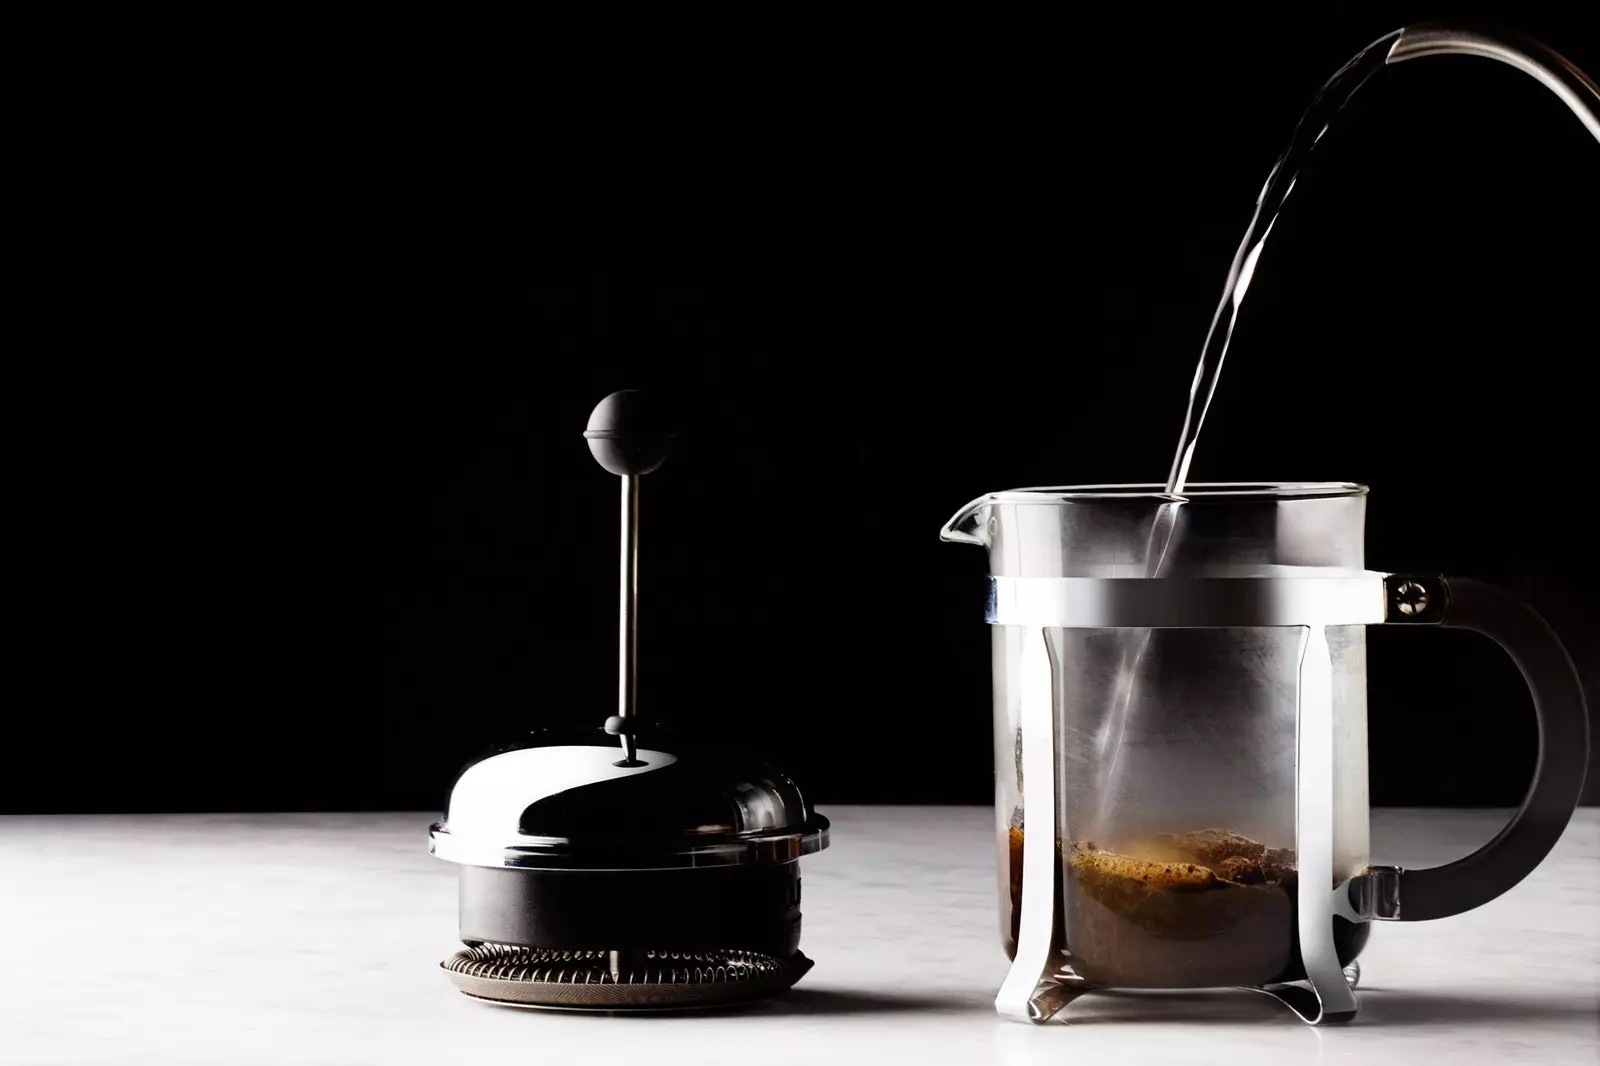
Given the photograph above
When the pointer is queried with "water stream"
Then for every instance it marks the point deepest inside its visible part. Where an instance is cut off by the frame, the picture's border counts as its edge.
(1328, 102)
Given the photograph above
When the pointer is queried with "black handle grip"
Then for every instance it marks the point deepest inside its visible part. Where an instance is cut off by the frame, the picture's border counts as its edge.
(1563, 742)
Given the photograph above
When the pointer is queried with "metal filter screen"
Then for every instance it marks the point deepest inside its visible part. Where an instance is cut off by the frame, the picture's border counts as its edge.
(607, 980)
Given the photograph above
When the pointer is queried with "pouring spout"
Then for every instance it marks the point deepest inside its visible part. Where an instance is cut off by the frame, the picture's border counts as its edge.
(970, 525)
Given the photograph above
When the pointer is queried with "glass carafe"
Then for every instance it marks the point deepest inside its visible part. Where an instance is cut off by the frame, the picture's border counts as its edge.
(1181, 741)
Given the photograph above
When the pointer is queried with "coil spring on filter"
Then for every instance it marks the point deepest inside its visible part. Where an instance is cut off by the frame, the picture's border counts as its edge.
(508, 962)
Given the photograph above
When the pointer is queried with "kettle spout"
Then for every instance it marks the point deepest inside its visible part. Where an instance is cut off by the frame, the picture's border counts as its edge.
(1546, 66)
(970, 525)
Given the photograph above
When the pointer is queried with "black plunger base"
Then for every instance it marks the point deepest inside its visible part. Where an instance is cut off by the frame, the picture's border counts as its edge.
(717, 908)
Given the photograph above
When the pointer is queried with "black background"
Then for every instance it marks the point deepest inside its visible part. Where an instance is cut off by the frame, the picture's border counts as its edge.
(367, 286)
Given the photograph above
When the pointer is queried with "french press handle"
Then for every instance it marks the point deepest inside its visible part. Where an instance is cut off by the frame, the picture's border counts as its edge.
(1558, 704)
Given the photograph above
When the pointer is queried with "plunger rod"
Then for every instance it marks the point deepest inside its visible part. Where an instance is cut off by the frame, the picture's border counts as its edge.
(628, 638)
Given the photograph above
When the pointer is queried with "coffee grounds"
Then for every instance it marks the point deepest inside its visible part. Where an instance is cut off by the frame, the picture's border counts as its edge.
(1199, 909)
(1205, 908)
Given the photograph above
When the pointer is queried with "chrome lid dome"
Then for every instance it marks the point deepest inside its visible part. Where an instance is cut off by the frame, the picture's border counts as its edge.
(569, 806)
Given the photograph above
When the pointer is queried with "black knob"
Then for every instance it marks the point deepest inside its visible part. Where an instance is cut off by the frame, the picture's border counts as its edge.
(626, 433)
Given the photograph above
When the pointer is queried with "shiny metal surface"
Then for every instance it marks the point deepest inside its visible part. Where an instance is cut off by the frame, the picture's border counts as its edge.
(1314, 841)
(570, 806)
(1411, 598)
(1306, 1005)
(1385, 889)
(1030, 991)
(1110, 603)
(1372, 895)
(628, 619)
(1055, 993)
(1415, 599)
(608, 980)
(1546, 66)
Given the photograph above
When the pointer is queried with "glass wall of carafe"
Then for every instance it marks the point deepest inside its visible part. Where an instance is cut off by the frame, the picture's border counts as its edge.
(1176, 805)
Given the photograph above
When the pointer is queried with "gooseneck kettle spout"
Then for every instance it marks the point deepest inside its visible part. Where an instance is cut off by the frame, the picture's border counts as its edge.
(1546, 66)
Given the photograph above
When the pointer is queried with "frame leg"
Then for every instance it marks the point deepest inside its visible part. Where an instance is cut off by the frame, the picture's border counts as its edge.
(1038, 985)
(1326, 995)
(1052, 994)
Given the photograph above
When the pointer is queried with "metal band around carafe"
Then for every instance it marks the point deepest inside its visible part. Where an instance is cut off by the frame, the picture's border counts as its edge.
(1185, 603)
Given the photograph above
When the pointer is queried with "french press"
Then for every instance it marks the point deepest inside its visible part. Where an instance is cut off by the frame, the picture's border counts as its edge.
(1181, 758)
(624, 869)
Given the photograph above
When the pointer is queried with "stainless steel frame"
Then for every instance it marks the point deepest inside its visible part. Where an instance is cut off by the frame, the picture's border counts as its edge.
(1040, 982)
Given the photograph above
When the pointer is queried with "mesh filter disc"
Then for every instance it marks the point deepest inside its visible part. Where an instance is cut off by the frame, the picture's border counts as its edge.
(604, 980)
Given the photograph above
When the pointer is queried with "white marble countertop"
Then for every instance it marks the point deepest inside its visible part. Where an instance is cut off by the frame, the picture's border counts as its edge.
(232, 940)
